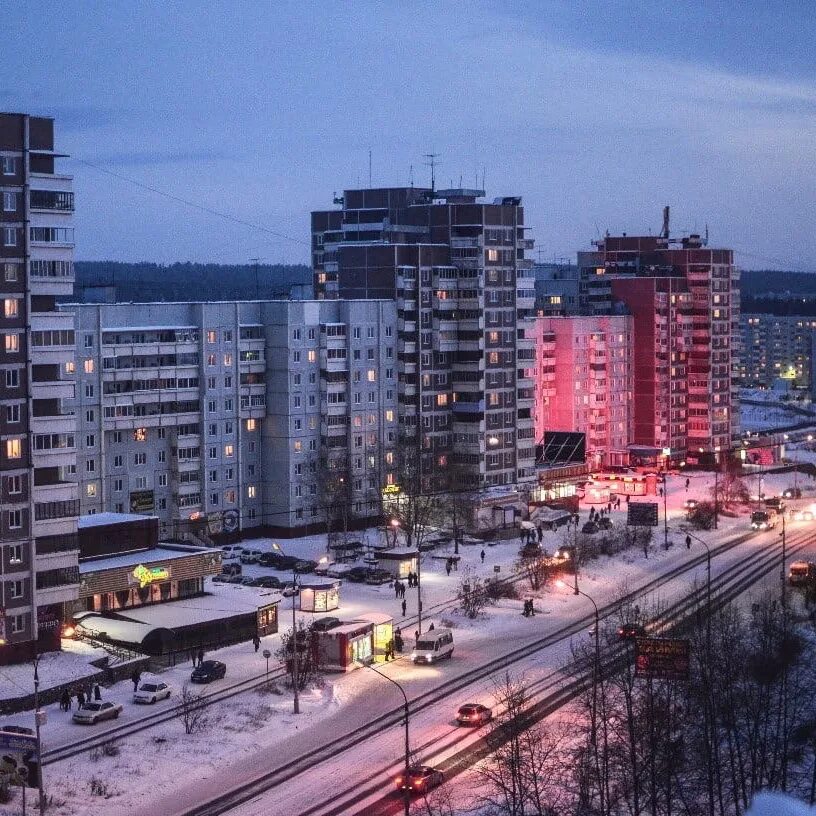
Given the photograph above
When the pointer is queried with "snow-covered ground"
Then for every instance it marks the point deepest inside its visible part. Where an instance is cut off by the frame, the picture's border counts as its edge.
(771, 414)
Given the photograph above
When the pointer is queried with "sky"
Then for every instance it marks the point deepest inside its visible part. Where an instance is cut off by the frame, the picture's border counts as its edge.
(597, 114)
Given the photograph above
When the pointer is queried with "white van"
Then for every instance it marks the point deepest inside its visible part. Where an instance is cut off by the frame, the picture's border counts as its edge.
(433, 646)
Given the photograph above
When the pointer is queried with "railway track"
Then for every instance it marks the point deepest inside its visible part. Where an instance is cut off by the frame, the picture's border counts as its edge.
(269, 780)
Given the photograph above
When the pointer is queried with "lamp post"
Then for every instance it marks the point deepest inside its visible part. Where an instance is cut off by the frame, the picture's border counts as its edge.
(395, 527)
(37, 718)
(784, 555)
(666, 455)
(406, 792)
(294, 642)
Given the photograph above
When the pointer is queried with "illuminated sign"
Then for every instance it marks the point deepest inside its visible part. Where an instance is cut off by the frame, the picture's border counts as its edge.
(142, 501)
(144, 576)
(392, 488)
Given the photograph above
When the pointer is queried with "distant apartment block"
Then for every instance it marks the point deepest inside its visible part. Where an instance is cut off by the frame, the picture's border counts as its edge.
(556, 288)
(38, 493)
(776, 346)
(680, 294)
(457, 269)
(583, 382)
(236, 415)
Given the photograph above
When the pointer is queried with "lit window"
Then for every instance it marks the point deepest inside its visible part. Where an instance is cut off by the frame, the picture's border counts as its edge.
(12, 343)
(389, 415)
(14, 448)
(10, 307)
(227, 359)
(441, 399)
(229, 496)
(492, 254)
(251, 424)
(311, 356)
(140, 435)
(212, 336)
(229, 450)
(70, 367)
(252, 491)
(298, 446)
(90, 490)
(89, 366)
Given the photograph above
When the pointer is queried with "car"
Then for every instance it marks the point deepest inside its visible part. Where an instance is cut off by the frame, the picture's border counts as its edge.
(290, 590)
(324, 624)
(357, 574)
(232, 551)
(208, 671)
(251, 556)
(220, 579)
(473, 714)
(304, 566)
(590, 527)
(604, 523)
(268, 582)
(94, 712)
(245, 580)
(231, 579)
(530, 550)
(288, 562)
(565, 553)
(151, 692)
(378, 576)
(420, 778)
(17, 729)
(232, 568)
(630, 631)
(690, 504)
(792, 493)
(804, 515)
(269, 559)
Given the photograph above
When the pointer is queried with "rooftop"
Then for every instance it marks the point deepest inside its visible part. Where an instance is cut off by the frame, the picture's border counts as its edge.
(133, 559)
(104, 519)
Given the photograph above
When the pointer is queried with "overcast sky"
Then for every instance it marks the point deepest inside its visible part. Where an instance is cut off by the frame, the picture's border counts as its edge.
(262, 110)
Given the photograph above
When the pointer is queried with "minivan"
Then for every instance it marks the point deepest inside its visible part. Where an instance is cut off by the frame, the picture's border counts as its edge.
(432, 646)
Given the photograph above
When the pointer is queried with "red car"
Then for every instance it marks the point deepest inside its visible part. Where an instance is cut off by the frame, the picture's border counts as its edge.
(473, 714)
(630, 631)
(420, 778)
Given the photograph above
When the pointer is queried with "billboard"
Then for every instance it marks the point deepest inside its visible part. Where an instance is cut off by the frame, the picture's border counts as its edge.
(563, 448)
(141, 501)
(662, 658)
(641, 514)
(19, 764)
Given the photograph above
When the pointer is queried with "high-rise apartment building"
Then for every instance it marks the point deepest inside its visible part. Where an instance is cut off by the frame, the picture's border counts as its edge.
(273, 414)
(680, 294)
(583, 382)
(775, 346)
(457, 269)
(38, 492)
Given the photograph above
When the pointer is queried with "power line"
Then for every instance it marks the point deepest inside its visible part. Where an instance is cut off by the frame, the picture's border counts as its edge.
(194, 205)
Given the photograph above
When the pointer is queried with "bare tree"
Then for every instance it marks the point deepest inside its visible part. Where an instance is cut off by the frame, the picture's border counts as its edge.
(535, 568)
(473, 596)
(305, 641)
(192, 710)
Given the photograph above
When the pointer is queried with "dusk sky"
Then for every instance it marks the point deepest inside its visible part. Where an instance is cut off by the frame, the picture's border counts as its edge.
(261, 111)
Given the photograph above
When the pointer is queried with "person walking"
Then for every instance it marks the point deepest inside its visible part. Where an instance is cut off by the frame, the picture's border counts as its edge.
(482, 555)
(65, 700)
(398, 641)
(416, 635)
(431, 628)
(256, 642)
(688, 542)
(448, 567)
(97, 692)
(135, 677)
(404, 607)
(687, 485)
(200, 656)
(80, 695)
(396, 589)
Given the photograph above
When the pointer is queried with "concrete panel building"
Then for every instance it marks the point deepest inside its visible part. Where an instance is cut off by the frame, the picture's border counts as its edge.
(240, 415)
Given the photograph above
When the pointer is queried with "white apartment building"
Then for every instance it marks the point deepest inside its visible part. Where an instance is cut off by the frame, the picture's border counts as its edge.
(38, 492)
(237, 414)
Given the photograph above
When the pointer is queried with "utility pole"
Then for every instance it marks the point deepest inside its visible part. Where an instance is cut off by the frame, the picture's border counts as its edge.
(666, 454)
(784, 555)
(37, 716)
(432, 163)
(295, 644)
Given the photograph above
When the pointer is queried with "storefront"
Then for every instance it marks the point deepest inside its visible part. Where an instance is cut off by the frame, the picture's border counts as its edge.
(319, 595)
(346, 647)
(137, 579)
(399, 561)
(382, 634)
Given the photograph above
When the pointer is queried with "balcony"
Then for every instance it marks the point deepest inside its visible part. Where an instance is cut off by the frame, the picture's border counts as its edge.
(52, 200)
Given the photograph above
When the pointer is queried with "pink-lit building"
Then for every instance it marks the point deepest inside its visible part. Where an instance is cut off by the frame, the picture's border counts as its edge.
(583, 382)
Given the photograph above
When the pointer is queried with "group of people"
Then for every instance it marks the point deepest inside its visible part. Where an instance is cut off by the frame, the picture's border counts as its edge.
(394, 646)
(530, 535)
(529, 610)
(82, 696)
(451, 564)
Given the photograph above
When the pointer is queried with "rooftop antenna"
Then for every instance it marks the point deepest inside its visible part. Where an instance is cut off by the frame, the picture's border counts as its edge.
(460, 181)
(705, 241)
(411, 175)
(369, 167)
(665, 231)
(432, 157)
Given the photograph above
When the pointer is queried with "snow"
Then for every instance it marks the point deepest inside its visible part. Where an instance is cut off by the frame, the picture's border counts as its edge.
(133, 559)
(104, 519)
(777, 804)
(253, 733)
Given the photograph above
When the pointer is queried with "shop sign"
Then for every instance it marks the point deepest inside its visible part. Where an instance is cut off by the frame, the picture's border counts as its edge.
(144, 576)
(391, 489)
(215, 523)
(142, 501)
(230, 521)
(47, 619)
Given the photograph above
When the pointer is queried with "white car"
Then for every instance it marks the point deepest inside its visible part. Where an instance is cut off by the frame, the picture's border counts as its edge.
(251, 556)
(151, 692)
(92, 713)
(232, 551)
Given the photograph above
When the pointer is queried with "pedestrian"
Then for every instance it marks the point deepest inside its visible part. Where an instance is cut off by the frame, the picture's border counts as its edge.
(80, 695)
(398, 641)
(65, 700)
(521, 535)
(396, 589)
(448, 566)
(540, 533)
(416, 635)
(431, 628)
(97, 692)
(524, 608)
(404, 607)
(135, 678)
(200, 656)
(661, 492)
(687, 485)
(256, 642)
(688, 542)
(628, 496)
(482, 555)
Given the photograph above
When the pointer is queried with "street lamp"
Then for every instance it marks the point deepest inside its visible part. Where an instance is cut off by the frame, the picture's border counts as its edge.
(395, 527)
(406, 792)
(294, 642)
(38, 716)
(666, 455)
(708, 581)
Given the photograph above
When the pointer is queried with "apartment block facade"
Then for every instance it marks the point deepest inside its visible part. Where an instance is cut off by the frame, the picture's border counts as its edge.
(681, 296)
(584, 383)
(463, 287)
(775, 346)
(239, 414)
(38, 491)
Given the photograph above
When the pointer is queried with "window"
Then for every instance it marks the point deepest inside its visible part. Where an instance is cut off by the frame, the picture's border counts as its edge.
(90, 490)
(228, 382)
(251, 424)
(295, 356)
(117, 485)
(12, 378)
(12, 343)
(90, 465)
(14, 485)
(9, 202)
(228, 427)
(227, 335)
(90, 440)
(212, 429)
(139, 458)
(9, 236)
(10, 272)
(118, 460)
(162, 480)
(252, 491)
(372, 375)
(212, 406)
(9, 165)
(311, 356)
(229, 496)
(389, 415)
(14, 448)
(15, 554)
(210, 359)
(211, 383)
(212, 453)
(89, 390)
(140, 434)
(16, 624)
(15, 519)
(298, 446)
(227, 359)
(10, 307)
(162, 457)
(370, 354)
(229, 450)
(90, 415)
(356, 333)
(212, 336)
(228, 404)
(89, 366)
(15, 589)
(212, 475)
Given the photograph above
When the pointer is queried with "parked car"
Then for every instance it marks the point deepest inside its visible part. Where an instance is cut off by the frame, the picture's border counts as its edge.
(324, 624)
(473, 714)
(220, 579)
(304, 566)
(208, 671)
(17, 729)
(231, 568)
(232, 551)
(290, 590)
(232, 579)
(251, 556)
(420, 778)
(269, 559)
(630, 631)
(268, 582)
(590, 527)
(690, 504)
(92, 713)
(245, 580)
(151, 692)
(378, 576)
(357, 574)
(604, 523)
(792, 493)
